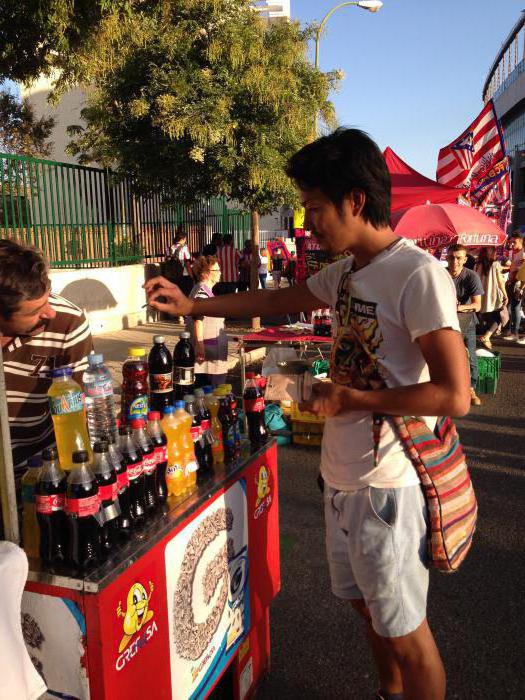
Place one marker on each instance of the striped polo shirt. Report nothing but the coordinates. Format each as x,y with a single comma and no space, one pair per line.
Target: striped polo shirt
28,361
228,258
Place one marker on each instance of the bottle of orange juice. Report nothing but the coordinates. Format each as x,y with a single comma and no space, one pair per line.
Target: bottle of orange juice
66,404
175,478
186,442
212,402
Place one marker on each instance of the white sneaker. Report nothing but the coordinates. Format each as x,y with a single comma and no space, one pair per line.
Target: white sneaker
520,341
512,337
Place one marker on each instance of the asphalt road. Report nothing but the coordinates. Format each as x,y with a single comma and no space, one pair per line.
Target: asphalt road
477,614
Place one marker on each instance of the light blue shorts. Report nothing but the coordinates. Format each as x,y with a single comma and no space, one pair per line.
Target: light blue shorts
376,541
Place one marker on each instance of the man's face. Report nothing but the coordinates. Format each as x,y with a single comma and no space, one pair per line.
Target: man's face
31,317
334,230
516,243
456,262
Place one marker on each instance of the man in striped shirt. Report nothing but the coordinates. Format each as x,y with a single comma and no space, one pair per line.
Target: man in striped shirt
228,258
40,331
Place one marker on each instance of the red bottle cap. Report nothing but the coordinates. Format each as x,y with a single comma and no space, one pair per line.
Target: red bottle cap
154,415
137,423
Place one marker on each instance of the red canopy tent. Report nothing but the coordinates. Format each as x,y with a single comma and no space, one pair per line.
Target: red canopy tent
410,188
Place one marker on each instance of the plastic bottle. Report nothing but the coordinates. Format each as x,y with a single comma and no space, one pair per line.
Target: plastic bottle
254,409
191,466
196,434
207,433
160,364
326,323
134,386
212,402
121,470
82,510
159,441
316,322
100,402
175,476
232,399
227,422
30,529
149,463
66,403
133,459
108,495
50,501
183,367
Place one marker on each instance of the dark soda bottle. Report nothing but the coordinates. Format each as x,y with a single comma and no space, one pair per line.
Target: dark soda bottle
133,460
160,365
232,399
326,323
82,509
50,500
121,470
159,441
149,463
196,434
226,420
108,496
254,409
207,433
134,386
183,367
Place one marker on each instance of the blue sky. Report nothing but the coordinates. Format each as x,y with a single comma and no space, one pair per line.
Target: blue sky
414,71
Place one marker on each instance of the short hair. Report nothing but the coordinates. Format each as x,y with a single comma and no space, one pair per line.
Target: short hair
23,275
228,238
457,248
516,234
337,164
203,265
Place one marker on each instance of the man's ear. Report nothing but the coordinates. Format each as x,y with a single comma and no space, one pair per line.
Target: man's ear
356,201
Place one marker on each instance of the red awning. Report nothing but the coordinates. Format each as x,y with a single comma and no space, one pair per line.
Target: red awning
410,188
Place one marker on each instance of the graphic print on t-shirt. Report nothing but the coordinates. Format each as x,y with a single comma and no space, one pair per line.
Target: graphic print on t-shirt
353,359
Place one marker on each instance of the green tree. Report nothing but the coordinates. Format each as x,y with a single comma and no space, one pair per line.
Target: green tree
20,132
201,98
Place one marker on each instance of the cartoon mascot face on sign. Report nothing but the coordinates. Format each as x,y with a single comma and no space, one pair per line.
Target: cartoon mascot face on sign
137,612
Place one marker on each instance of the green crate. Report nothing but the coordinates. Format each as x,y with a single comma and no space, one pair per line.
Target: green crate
488,374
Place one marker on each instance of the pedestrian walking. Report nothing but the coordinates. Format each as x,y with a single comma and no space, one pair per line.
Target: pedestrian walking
290,268
277,267
263,267
494,302
515,289
228,258
469,292
178,259
398,331
245,265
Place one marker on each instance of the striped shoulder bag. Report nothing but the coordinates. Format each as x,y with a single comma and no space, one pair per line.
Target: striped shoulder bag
440,463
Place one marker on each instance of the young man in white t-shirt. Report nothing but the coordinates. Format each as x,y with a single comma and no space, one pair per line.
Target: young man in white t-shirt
397,351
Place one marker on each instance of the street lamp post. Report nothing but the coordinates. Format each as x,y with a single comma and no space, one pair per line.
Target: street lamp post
369,5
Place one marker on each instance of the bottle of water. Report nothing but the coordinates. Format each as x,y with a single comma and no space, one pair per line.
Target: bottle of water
100,404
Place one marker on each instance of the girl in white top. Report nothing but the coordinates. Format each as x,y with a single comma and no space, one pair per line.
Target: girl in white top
494,301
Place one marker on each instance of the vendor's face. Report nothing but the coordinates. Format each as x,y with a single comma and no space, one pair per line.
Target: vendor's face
334,229
31,317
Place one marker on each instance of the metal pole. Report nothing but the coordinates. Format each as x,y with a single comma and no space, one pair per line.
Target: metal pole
7,475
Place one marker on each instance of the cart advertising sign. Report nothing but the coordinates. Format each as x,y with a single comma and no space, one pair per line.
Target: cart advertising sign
207,593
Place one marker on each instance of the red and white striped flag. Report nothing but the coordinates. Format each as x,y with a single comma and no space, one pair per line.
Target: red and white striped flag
477,161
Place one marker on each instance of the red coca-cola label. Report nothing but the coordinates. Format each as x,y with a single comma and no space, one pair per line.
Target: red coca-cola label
122,480
45,505
254,405
135,470
161,454
83,507
109,492
195,432
205,425
149,463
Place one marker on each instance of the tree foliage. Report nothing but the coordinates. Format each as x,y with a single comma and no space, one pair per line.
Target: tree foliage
20,132
199,97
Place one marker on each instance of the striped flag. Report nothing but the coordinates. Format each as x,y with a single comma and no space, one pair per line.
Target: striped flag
477,161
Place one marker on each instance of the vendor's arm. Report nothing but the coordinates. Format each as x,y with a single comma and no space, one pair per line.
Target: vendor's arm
198,325
447,392
263,302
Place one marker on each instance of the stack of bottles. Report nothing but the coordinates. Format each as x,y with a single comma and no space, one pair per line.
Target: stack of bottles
322,323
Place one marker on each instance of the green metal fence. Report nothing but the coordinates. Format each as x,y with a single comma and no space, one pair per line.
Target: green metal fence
83,217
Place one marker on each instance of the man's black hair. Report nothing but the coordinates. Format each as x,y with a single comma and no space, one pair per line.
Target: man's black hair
227,239
343,161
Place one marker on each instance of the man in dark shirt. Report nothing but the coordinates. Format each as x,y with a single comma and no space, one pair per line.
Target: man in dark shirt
469,291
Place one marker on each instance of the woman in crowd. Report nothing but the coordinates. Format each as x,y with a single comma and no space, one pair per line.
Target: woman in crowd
208,336
277,267
494,302
263,267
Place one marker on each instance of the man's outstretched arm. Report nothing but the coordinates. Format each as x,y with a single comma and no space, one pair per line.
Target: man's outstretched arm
167,297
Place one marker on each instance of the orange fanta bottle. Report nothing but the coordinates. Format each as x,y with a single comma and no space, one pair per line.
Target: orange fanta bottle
175,479
186,442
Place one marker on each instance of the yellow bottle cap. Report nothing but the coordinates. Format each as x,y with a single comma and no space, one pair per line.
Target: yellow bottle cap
221,391
229,388
136,352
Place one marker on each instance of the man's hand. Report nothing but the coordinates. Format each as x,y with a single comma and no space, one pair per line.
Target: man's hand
175,302
328,399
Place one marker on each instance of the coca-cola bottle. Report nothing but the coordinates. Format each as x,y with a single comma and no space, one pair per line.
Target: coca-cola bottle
50,501
82,508
149,463
160,365
207,433
121,470
196,434
133,460
254,409
159,441
108,496
183,367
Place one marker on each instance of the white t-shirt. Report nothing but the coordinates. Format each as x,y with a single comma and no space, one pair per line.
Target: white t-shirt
404,293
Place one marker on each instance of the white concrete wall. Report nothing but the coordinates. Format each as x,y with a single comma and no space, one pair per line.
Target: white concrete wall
111,297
